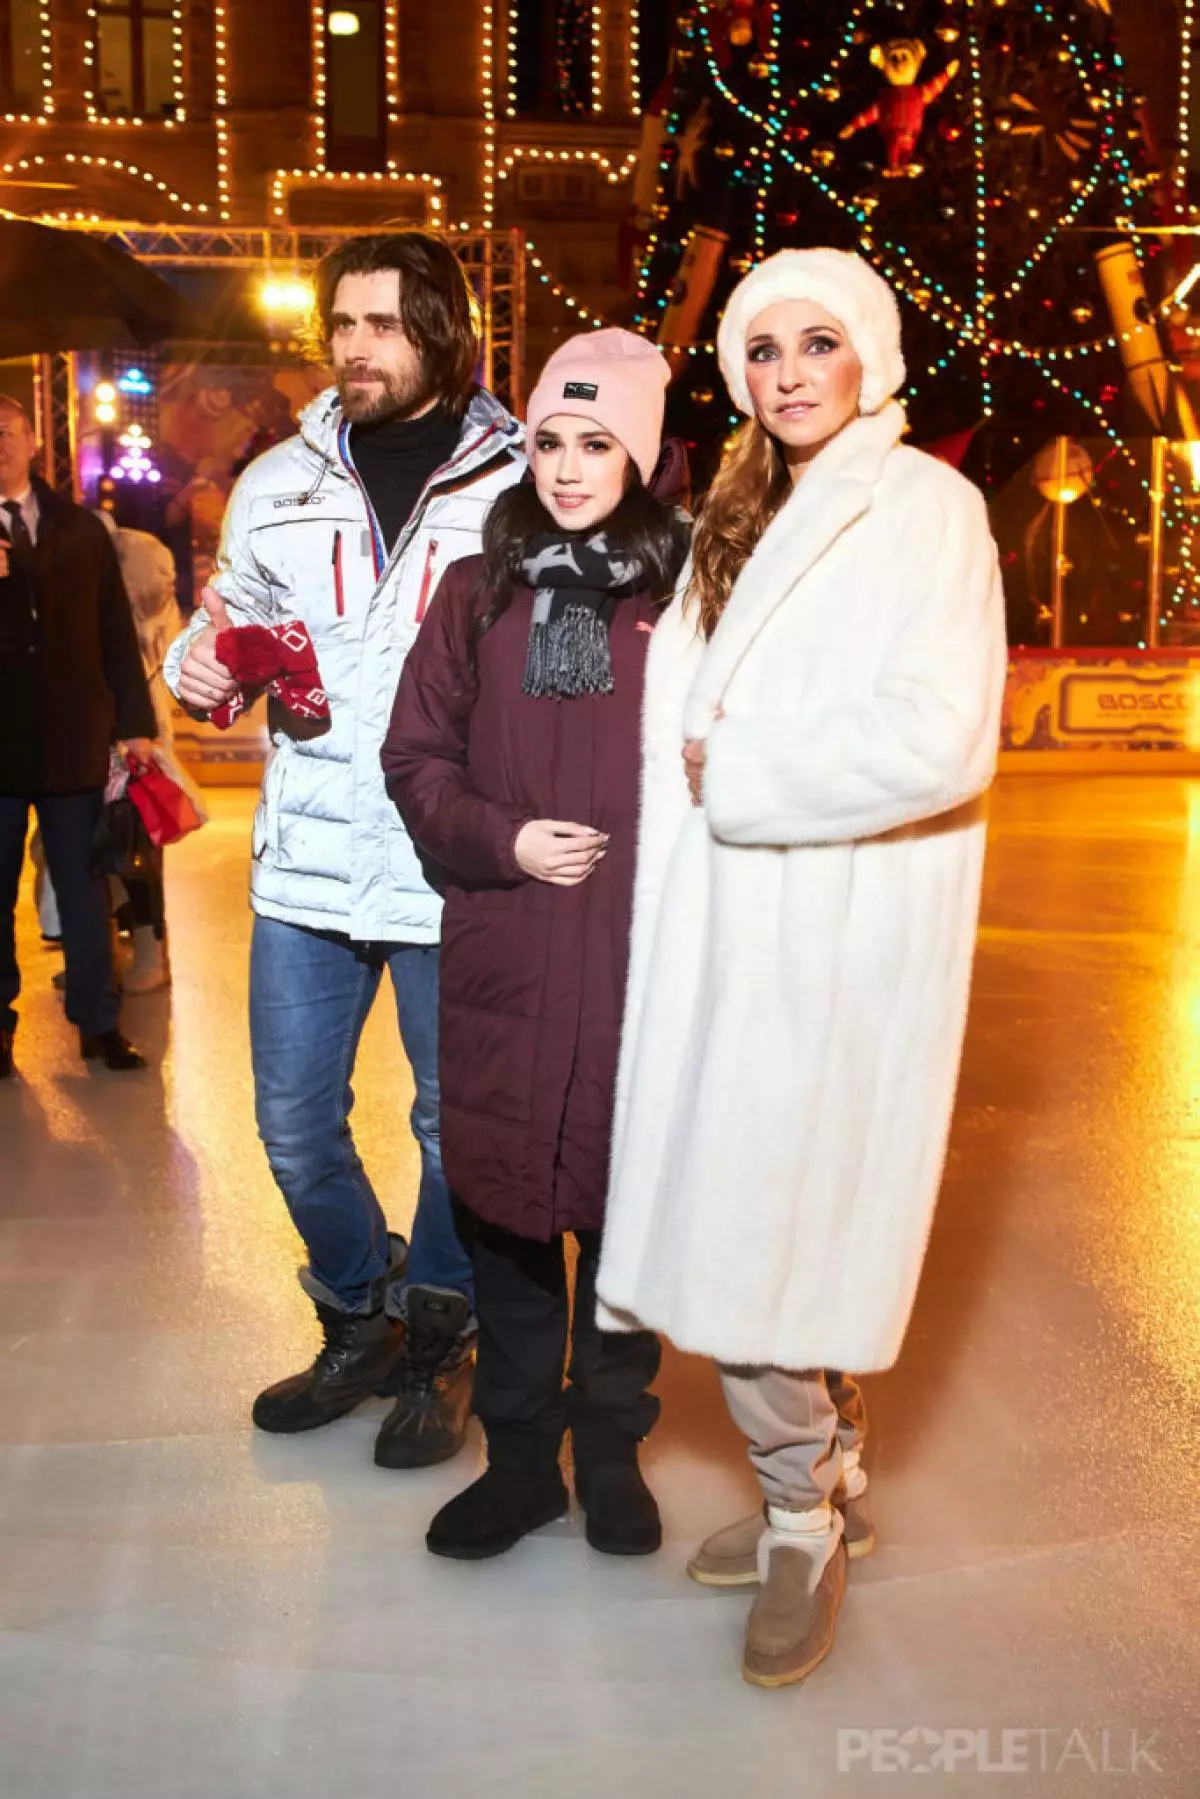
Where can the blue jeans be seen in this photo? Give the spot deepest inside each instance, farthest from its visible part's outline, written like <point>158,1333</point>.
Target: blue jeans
<point>67,822</point>
<point>310,993</point>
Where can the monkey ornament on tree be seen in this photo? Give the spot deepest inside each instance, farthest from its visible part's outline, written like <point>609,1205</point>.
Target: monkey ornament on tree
<point>899,111</point>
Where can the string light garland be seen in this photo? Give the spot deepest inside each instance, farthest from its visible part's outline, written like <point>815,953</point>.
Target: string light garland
<point>487,82</point>
<point>634,63</point>
<point>320,84</point>
<point>547,279</point>
<point>511,60</point>
<point>1184,128</point>
<point>391,53</point>
<point>221,113</point>
<point>178,113</point>
<point>982,317</point>
<point>284,181</point>
<point>614,173</point>
<point>598,95</point>
<point>72,158</point>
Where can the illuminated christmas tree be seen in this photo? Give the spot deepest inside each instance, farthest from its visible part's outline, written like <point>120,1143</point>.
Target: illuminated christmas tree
<point>980,152</point>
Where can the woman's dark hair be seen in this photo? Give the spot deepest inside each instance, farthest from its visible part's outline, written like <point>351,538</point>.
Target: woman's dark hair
<point>438,308</point>
<point>645,529</point>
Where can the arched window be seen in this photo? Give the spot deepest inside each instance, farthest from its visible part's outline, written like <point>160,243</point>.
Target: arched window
<point>134,59</point>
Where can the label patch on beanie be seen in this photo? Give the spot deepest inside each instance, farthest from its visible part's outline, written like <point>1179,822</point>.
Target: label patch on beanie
<point>580,390</point>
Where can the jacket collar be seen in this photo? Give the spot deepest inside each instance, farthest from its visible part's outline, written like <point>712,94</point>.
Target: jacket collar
<point>835,491</point>
<point>487,428</point>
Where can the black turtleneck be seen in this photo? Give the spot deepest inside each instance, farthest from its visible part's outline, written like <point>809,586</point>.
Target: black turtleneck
<point>396,458</point>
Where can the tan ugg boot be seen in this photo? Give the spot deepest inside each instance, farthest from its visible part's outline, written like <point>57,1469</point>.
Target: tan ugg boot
<point>729,1558</point>
<point>792,1622</point>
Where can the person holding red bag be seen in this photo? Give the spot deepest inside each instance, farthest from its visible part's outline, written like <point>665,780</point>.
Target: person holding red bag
<point>74,682</point>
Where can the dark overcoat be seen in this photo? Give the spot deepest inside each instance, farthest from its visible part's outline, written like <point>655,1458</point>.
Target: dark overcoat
<point>532,975</point>
<point>69,659</point>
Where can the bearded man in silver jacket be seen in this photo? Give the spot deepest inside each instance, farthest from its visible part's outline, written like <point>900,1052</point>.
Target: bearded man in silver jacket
<point>347,527</point>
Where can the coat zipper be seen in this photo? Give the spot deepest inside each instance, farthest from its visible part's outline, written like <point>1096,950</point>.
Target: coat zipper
<point>338,587</point>
<point>426,580</point>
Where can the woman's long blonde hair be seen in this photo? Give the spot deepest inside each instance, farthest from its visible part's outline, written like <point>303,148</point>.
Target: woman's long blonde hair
<point>750,486</point>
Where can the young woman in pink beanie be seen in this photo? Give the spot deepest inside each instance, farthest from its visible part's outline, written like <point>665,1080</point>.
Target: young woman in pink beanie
<point>513,755</point>
<point>821,722</point>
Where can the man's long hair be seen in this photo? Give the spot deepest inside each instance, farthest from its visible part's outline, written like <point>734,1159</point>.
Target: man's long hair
<point>438,309</point>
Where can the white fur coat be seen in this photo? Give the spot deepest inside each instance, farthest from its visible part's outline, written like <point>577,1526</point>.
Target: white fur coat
<point>802,944</point>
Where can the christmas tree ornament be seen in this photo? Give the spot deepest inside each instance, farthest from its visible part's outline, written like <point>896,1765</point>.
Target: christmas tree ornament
<point>736,24</point>
<point>899,111</point>
<point>1146,366</point>
<point>1051,119</point>
<point>692,140</point>
<point>703,255</point>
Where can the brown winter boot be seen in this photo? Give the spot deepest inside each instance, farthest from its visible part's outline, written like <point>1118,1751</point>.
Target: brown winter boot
<point>790,1629</point>
<point>729,1558</point>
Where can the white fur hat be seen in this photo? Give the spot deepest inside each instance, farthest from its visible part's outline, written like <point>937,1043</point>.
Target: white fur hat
<point>850,291</point>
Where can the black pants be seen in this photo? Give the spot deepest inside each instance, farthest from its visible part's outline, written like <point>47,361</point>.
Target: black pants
<point>523,1309</point>
<point>68,823</point>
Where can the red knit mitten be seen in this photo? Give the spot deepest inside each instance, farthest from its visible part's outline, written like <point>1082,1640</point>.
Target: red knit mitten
<point>279,658</point>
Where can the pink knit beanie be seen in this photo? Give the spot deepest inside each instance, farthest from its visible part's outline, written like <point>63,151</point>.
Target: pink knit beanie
<point>613,377</point>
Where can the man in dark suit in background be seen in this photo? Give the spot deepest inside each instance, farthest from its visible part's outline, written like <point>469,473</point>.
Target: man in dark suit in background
<point>71,683</point>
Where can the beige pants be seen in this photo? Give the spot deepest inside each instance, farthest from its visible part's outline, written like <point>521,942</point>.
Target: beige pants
<point>799,1427</point>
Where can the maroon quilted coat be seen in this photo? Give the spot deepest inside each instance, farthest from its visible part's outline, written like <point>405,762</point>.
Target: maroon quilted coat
<point>532,976</point>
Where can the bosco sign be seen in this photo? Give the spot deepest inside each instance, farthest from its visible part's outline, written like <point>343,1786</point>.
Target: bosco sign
<point>1118,700</point>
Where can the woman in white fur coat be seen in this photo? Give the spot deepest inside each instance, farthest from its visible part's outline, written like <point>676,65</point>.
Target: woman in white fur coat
<point>821,723</point>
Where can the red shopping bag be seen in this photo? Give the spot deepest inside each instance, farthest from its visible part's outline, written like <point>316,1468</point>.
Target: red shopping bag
<point>163,807</point>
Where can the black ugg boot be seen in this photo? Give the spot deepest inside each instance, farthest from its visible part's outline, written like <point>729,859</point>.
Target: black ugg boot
<point>620,1512</point>
<point>507,1501</point>
<point>356,1360</point>
<point>433,1381</point>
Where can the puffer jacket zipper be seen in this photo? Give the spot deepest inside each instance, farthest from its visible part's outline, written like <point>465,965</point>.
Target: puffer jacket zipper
<point>339,590</point>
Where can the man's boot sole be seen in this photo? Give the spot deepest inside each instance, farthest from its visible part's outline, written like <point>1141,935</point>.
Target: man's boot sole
<point>296,1430</point>
<point>483,1552</point>
<point>854,1552</point>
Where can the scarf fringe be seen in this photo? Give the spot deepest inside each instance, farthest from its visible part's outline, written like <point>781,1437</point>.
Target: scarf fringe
<point>569,656</point>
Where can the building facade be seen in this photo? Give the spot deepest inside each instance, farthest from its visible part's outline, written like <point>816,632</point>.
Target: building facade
<point>202,115</point>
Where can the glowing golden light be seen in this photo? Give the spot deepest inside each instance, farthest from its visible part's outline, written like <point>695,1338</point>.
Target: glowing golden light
<point>344,24</point>
<point>289,293</point>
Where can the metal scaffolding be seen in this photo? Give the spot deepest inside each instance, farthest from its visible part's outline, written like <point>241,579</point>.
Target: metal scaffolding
<point>495,261</point>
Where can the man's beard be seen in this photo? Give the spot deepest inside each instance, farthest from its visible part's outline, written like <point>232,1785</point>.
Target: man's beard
<point>398,398</point>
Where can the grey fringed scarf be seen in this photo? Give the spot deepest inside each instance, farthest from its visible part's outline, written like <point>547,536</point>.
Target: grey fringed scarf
<point>577,582</point>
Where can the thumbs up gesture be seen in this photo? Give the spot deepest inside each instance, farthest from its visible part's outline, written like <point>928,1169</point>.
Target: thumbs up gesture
<point>204,681</point>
